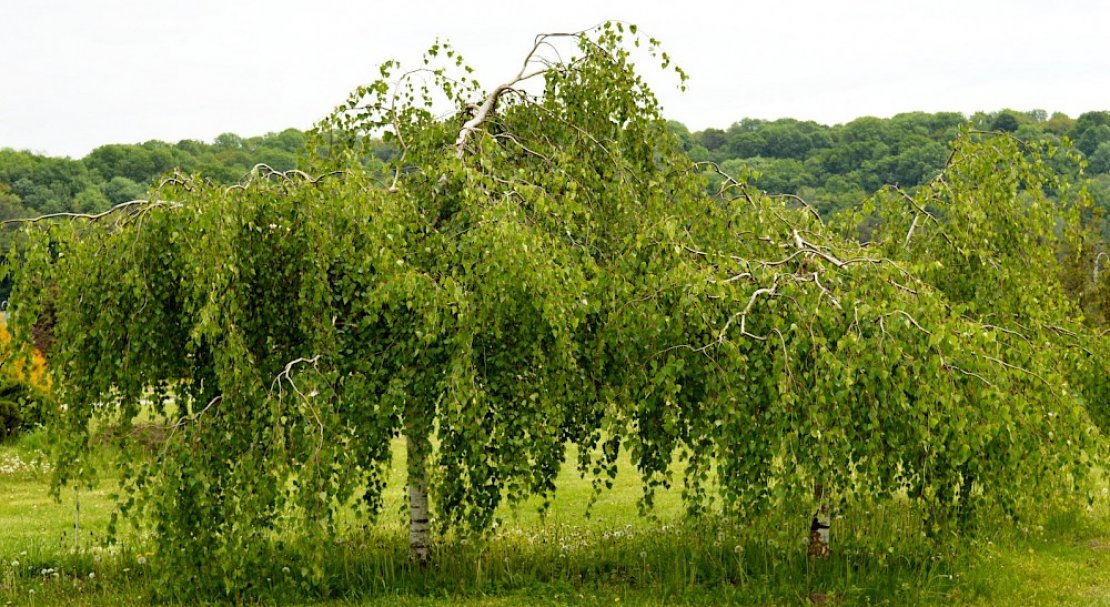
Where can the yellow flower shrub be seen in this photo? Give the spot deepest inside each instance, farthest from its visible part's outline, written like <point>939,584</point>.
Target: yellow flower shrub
<point>12,365</point>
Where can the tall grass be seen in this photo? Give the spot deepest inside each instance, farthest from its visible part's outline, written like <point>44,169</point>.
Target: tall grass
<point>881,555</point>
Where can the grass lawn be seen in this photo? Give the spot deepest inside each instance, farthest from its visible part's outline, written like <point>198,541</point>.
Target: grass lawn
<point>612,557</point>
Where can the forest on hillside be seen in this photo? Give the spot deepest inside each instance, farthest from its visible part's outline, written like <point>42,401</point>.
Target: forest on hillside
<point>832,167</point>
<point>835,167</point>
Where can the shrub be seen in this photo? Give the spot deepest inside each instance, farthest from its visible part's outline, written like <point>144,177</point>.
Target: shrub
<point>24,396</point>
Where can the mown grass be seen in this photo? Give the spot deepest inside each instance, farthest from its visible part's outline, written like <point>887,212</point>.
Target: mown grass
<point>881,556</point>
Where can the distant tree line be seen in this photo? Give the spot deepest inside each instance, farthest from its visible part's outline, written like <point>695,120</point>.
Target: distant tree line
<point>831,167</point>
<point>835,167</point>
<point>115,173</point>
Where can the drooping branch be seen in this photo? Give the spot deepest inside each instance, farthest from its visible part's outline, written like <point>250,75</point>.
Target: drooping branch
<point>1016,368</point>
<point>729,180</point>
<point>743,315</point>
<point>920,211</point>
<point>802,201</point>
<point>143,204</point>
<point>265,171</point>
<point>285,376</point>
<point>808,247</point>
<point>183,421</point>
<point>909,233</point>
<point>130,204</point>
<point>949,366</point>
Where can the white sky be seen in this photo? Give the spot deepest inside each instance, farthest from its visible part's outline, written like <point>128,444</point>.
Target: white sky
<point>75,75</point>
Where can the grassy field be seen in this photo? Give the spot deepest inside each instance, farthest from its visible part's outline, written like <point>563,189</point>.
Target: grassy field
<point>611,557</point>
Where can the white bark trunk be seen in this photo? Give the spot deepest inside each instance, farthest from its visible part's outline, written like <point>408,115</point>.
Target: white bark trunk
<point>418,499</point>
<point>76,520</point>
<point>820,527</point>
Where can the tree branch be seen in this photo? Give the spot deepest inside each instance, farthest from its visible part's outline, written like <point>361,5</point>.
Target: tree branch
<point>93,216</point>
<point>743,315</point>
<point>490,102</point>
<point>266,171</point>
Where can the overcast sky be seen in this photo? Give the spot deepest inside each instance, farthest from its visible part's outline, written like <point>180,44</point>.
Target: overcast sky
<point>78,74</point>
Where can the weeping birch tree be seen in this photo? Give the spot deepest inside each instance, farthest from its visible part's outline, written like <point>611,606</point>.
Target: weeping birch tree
<point>538,267</point>
<point>291,326</point>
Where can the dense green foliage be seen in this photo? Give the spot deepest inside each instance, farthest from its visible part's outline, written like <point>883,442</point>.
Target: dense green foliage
<point>1004,236</point>
<point>32,184</point>
<point>548,270</point>
<point>835,168</point>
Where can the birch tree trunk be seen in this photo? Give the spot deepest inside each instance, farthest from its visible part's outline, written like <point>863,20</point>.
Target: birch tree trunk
<point>819,528</point>
<point>417,464</point>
